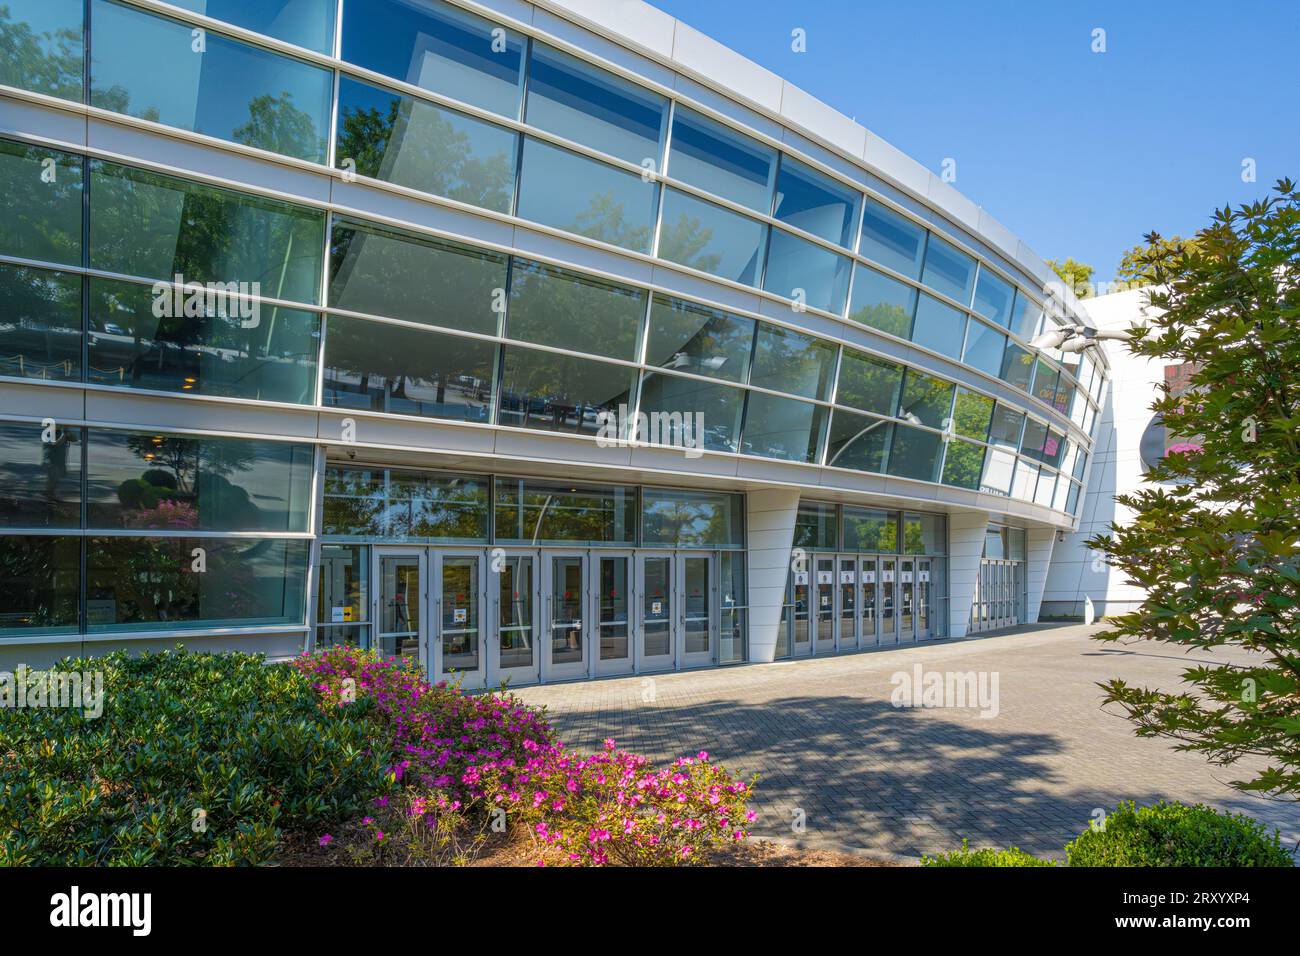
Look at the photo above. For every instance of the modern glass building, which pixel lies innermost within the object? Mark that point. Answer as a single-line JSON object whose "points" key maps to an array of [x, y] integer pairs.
{"points": [[540, 341]]}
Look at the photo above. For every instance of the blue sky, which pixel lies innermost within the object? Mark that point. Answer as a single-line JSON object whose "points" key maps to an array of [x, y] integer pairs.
{"points": [[1078, 153]]}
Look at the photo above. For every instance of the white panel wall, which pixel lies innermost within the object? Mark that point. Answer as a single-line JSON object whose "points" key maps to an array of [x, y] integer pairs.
{"points": [[965, 548], [769, 521], [1038, 552]]}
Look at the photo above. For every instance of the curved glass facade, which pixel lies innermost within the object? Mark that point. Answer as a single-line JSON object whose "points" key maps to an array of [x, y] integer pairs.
{"points": [[667, 262]]}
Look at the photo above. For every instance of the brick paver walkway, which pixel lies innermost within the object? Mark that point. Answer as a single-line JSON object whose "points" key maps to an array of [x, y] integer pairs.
{"points": [[899, 782]]}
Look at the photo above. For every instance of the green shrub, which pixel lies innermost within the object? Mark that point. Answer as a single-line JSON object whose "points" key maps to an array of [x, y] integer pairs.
{"points": [[245, 743], [987, 857], [1171, 834]]}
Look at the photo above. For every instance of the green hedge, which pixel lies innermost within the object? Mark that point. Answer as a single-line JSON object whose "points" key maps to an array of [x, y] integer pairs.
{"points": [[244, 742], [1171, 834], [987, 857]]}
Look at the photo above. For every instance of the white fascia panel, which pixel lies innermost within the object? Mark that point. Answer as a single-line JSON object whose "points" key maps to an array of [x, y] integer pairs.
{"points": [[708, 58]]}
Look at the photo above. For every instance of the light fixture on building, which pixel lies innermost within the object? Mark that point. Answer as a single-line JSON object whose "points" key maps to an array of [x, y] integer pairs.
{"points": [[1076, 338]]}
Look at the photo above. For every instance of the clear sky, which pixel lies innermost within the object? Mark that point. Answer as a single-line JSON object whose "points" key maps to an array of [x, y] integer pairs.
{"points": [[1078, 153]]}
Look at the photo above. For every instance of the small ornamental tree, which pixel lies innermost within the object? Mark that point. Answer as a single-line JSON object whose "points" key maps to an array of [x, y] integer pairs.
{"points": [[1214, 538]]}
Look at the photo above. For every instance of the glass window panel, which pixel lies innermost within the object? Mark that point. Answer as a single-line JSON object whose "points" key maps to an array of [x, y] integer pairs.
{"points": [[306, 23], [814, 203], [1078, 405], [381, 367], [710, 238], [420, 279], [926, 400], [269, 357], [556, 307], [869, 529], [146, 583], [42, 42], [1034, 439], [995, 544], [696, 338], [817, 526], [993, 298], [1053, 447], [924, 533], [417, 144], [538, 512], [782, 428], [804, 271], [172, 482], [1045, 380], [1072, 504], [1046, 487], [591, 106], [939, 327], [869, 383], [719, 160], [1016, 544], [145, 66], [355, 503], [1017, 366], [1080, 464], [985, 348], [1025, 480], [343, 595], [786, 361], [676, 399], [40, 482], [692, 519], [40, 324], [437, 47], [156, 226], [998, 467], [1005, 429], [553, 392], [566, 191], [858, 441], [915, 454], [892, 239], [881, 302], [1062, 491], [963, 464], [972, 414], [436, 508], [948, 270], [40, 585], [1024, 316], [40, 203], [1064, 396]]}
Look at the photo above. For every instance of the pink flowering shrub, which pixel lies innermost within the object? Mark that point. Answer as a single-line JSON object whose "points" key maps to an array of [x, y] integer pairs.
{"points": [[465, 761]]}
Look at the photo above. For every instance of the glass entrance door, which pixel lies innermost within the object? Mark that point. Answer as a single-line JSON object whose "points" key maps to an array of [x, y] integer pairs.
{"points": [[888, 589], [870, 611], [697, 582], [513, 652], [399, 603], [655, 585], [802, 611], [848, 594], [824, 611], [613, 595], [565, 593], [906, 599], [459, 595], [923, 631]]}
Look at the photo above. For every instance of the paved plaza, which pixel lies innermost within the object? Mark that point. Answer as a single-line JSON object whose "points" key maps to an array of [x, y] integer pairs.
{"points": [[897, 782]]}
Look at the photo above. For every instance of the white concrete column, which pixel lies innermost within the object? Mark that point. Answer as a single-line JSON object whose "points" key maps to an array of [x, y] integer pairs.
{"points": [[965, 549], [1038, 558], [769, 522]]}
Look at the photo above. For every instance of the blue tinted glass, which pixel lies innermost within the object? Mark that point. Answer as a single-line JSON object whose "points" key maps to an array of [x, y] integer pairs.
{"points": [[414, 143], [784, 428], [711, 238], [882, 302], [814, 203], [786, 361], [1017, 366], [915, 454], [925, 400], [948, 270], [695, 338], [1025, 316], [590, 106], [993, 298], [561, 189], [42, 45], [892, 240], [985, 348], [437, 47], [144, 66], [308, 23], [938, 326], [795, 264], [712, 157]]}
